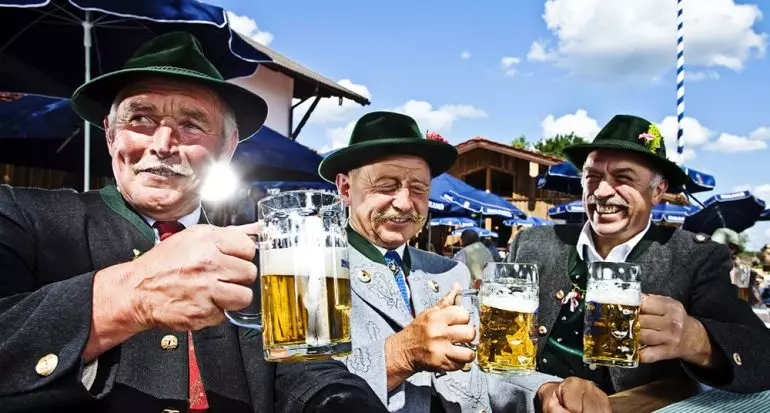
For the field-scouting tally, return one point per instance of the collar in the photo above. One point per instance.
(618, 254)
(375, 253)
(187, 220)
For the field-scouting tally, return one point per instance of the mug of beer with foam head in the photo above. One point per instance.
(304, 278)
(507, 303)
(611, 329)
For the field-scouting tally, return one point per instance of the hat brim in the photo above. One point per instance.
(439, 156)
(577, 155)
(92, 100)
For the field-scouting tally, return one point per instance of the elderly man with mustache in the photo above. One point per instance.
(405, 326)
(692, 322)
(112, 300)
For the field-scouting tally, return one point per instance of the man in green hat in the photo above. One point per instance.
(405, 324)
(113, 300)
(692, 322)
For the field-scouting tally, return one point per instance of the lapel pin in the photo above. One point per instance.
(433, 286)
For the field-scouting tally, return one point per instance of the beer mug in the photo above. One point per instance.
(304, 278)
(507, 303)
(611, 329)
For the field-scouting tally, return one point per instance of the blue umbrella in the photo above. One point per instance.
(472, 199)
(565, 178)
(43, 39)
(570, 212)
(461, 222)
(672, 213)
(737, 211)
(481, 231)
(528, 222)
(562, 177)
(34, 131)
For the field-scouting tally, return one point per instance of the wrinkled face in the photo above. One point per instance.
(388, 199)
(619, 192)
(162, 137)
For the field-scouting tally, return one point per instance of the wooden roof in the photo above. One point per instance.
(482, 143)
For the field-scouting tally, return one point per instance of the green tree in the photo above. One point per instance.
(520, 142)
(555, 145)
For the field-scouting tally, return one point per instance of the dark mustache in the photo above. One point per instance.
(615, 200)
(413, 216)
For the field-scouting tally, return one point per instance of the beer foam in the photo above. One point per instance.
(305, 262)
(510, 303)
(614, 295)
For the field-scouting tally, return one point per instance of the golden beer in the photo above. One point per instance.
(507, 339)
(305, 307)
(611, 331)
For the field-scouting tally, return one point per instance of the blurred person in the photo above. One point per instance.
(474, 254)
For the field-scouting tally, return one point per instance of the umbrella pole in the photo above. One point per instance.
(86, 127)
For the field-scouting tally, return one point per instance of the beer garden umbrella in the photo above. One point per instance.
(737, 211)
(42, 41)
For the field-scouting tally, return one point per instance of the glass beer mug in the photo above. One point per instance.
(507, 303)
(611, 329)
(304, 279)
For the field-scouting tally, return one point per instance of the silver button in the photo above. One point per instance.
(364, 276)
(433, 286)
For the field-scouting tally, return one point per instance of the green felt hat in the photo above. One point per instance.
(631, 134)
(176, 55)
(381, 134)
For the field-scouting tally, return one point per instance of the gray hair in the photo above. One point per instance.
(657, 178)
(230, 124)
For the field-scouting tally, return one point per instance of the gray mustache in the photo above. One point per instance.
(177, 168)
(615, 201)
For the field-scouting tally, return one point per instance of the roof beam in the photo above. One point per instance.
(305, 118)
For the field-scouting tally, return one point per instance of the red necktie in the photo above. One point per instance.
(197, 394)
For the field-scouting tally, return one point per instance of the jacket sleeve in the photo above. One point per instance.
(322, 386)
(51, 321)
(735, 331)
(368, 362)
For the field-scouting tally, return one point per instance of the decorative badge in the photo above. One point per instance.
(651, 139)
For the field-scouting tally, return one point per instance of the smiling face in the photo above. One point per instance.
(619, 190)
(163, 136)
(388, 199)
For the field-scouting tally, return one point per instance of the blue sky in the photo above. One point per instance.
(538, 68)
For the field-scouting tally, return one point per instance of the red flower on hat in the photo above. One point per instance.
(434, 136)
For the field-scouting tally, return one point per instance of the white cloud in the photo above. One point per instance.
(609, 39)
(761, 134)
(698, 76)
(508, 64)
(247, 26)
(695, 135)
(329, 109)
(538, 52)
(440, 119)
(338, 136)
(758, 235)
(733, 143)
(578, 123)
(465, 55)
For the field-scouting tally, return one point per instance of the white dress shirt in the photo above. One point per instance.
(618, 254)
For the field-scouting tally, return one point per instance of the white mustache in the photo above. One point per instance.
(156, 165)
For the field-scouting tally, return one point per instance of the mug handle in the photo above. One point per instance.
(244, 318)
(469, 300)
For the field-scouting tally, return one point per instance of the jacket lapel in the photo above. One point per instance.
(374, 283)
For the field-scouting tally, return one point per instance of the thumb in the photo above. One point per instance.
(449, 298)
(254, 228)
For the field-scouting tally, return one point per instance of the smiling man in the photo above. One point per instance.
(692, 322)
(410, 340)
(114, 300)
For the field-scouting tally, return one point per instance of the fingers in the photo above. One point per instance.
(654, 305)
(571, 393)
(237, 271)
(254, 228)
(232, 241)
(595, 400)
(453, 315)
(653, 338)
(460, 355)
(654, 322)
(461, 333)
(449, 298)
(551, 404)
(232, 297)
(653, 354)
